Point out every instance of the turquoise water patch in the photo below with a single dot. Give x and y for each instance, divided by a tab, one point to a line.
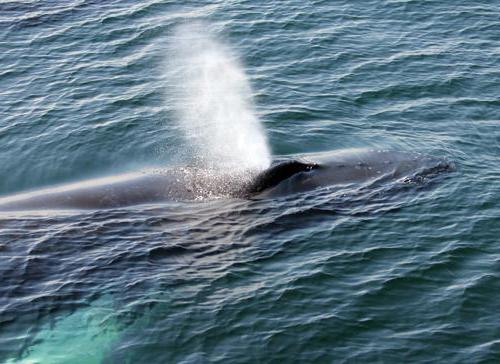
84	336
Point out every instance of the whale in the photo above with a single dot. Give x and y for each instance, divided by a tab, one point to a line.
286	176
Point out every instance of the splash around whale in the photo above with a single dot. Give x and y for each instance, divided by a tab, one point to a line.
284	177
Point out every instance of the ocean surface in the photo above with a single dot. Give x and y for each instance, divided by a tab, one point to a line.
394	274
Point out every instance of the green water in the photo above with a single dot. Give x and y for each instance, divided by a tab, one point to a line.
406	274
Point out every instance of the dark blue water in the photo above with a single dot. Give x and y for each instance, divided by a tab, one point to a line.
402	273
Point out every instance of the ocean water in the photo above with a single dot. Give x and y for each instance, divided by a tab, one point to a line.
396	274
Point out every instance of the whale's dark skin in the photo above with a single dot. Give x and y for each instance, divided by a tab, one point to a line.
286	177
354	166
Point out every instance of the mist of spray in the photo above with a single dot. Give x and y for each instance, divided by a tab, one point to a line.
213	103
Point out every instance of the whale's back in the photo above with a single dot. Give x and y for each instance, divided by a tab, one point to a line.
286	177
350	166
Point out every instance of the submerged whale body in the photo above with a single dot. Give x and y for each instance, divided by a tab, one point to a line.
284	177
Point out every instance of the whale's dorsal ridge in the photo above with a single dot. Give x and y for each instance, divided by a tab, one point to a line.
278	173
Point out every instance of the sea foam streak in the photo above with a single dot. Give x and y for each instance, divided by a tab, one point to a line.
213	103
